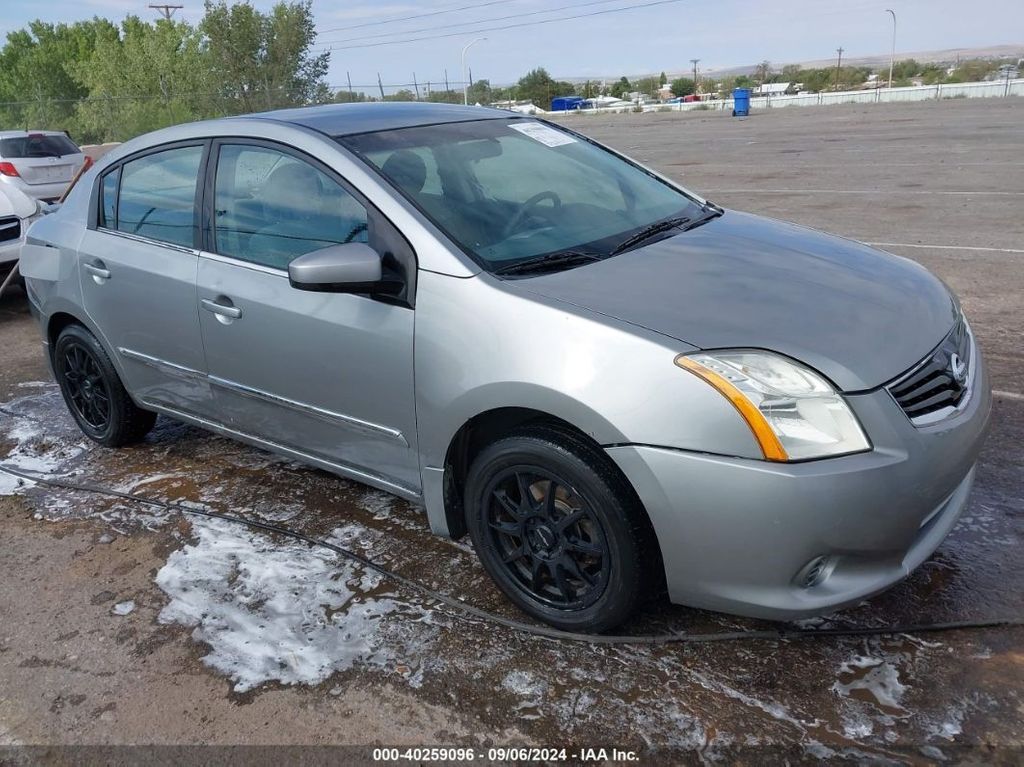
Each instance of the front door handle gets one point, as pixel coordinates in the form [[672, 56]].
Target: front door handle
[[223, 310], [97, 269]]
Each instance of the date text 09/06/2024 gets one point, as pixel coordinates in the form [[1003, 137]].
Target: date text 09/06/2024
[[503, 754]]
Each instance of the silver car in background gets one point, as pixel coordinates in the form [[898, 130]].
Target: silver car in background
[[40, 164], [614, 386]]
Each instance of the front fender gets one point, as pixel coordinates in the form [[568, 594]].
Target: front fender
[[481, 345]]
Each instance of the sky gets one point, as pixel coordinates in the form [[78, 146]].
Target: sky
[[362, 34]]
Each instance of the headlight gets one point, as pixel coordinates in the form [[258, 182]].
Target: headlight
[[793, 412]]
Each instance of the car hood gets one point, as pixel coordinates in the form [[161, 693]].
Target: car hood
[[14, 202], [859, 316]]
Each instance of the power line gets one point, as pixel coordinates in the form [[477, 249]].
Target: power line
[[465, 23], [418, 16], [636, 6]]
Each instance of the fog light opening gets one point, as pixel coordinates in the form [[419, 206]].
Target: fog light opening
[[815, 572]]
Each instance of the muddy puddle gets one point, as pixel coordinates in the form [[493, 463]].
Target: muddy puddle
[[269, 612]]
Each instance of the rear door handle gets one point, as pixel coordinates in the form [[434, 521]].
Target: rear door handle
[[224, 310], [97, 269]]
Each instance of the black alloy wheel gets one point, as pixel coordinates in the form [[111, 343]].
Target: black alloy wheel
[[560, 531], [93, 391], [83, 381], [549, 541]]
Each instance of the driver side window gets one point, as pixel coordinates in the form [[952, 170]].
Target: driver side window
[[271, 207]]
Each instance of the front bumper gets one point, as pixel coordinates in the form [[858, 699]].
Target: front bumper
[[10, 251], [738, 535]]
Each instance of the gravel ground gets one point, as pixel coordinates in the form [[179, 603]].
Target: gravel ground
[[126, 625]]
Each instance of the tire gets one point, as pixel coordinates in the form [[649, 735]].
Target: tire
[[576, 507], [94, 393]]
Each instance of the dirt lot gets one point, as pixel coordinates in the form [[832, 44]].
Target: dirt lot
[[126, 625]]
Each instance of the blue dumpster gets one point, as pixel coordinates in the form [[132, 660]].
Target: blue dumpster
[[741, 102], [566, 103]]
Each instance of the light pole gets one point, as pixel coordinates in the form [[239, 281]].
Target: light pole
[[892, 56], [465, 84]]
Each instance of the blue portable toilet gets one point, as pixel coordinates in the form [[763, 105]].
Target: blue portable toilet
[[565, 103], [741, 102]]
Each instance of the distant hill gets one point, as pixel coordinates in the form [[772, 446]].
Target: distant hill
[[948, 55]]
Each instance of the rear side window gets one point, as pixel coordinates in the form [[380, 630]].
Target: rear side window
[[108, 199], [37, 145], [157, 196]]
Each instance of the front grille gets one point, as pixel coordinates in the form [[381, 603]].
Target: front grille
[[934, 384], [10, 228]]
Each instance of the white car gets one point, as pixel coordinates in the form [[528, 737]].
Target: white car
[[17, 212], [39, 163]]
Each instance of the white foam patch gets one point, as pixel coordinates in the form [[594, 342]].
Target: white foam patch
[[274, 611], [380, 504], [879, 677], [124, 608], [35, 451]]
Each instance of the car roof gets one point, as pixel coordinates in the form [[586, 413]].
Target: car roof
[[24, 133], [369, 117]]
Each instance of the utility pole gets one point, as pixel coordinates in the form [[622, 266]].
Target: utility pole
[[351, 95], [892, 56], [167, 10], [694, 62], [381, 86], [416, 86], [839, 64]]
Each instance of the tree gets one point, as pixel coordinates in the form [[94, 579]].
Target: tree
[[539, 87], [683, 86], [480, 92], [763, 71], [905, 69], [39, 82], [621, 88], [663, 79], [646, 85], [792, 73], [263, 60], [349, 97], [401, 95], [146, 77], [445, 97]]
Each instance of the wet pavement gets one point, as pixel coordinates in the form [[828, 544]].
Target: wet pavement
[[128, 624]]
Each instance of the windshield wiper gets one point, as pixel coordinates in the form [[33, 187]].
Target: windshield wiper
[[710, 211], [649, 231], [563, 259]]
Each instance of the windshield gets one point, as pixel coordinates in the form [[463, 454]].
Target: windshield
[[510, 191], [37, 145]]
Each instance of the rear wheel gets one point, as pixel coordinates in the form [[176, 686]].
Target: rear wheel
[[558, 530], [94, 393]]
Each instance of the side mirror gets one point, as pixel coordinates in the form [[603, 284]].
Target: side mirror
[[350, 268]]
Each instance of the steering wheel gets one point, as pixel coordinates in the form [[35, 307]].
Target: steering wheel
[[526, 208]]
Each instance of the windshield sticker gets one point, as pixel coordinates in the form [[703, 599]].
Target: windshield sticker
[[542, 133]]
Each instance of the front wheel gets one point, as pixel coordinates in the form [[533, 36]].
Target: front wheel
[[558, 530], [94, 393]]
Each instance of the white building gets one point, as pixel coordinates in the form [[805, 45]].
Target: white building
[[771, 89]]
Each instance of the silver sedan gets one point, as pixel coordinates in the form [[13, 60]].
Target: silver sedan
[[616, 387]]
